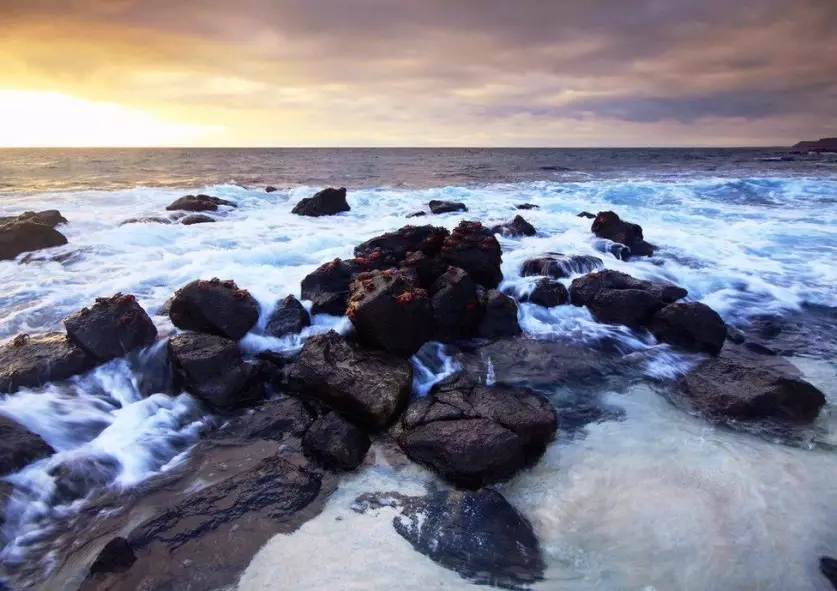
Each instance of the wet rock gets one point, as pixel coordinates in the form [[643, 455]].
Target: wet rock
[[438, 207], [50, 217], [587, 214], [584, 288], [289, 317], [740, 385], [517, 227], [474, 248], [417, 214], [500, 318], [326, 202], [146, 220], [369, 387], [328, 286], [212, 368], [456, 306], [214, 307], [426, 270], [558, 266], [390, 313], [335, 443], [473, 434], [32, 361], [19, 446], [75, 477], [111, 328], [197, 218], [425, 239], [527, 206], [548, 293], [276, 420], [19, 237], [199, 203], [690, 325], [618, 251], [115, 557], [477, 534], [270, 189], [610, 226], [828, 567]]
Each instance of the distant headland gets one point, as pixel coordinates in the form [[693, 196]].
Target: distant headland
[[827, 144]]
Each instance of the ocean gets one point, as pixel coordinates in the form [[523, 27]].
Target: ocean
[[659, 499]]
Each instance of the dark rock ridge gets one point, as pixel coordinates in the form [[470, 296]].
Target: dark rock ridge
[[826, 144], [19, 446], [199, 203], [146, 220], [213, 369], [327, 202], [547, 293], [456, 305], [369, 387], [214, 307], [558, 266], [197, 218], [500, 317], [289, 317], [474, 435], [610, 226], [335, 443], [49, 217], [690, 325], [527, 206], [474, 248], [29, 362], [270, 189], [425, 239], [438, 207], [111, 328], [586, 214], [328, 286], [516, 227], [24, 236]]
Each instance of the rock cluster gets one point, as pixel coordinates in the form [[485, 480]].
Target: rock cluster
[[30, 231]]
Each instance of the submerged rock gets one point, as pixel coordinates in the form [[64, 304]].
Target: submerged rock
[[19, 446], [197, 218], [587, 214], [49, 217], [214, 307], [500, 318], [438, 207], [76, 476], [146, 220], [558, 266], [690, 325], [199, 203], [474, 248], [456, 305], [526, 206], [417, 214], [270, 189], [424, 239], [19, 237], [335, 443], [472, 434], [517, 227], [289, 317], [29, 362], [610, 226], [547, 293], [327, 202]]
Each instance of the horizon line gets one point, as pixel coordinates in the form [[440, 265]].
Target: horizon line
[[686, 147]]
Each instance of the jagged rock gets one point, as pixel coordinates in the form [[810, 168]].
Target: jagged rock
[[326, 202], [425, 239], [335, 443], [50, 217], [526, 206], [19, 446], [438, 207], [289, 317], [609, 225], [500, 318], [370, 387], [474, 435], [111, 328], [558, 266], [29, 362], [214, 307], [197, 218], [199, 203], [390, 313], [587, 214], [426, 270], [456, 305], [328, 286], [19, 237], [475, 249], [212, 368], [547, 293], [517, 227], [115, 557], [690, 325]]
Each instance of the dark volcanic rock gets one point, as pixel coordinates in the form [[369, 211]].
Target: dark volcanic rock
[[196, 218], [335, 443], [425, 239], [19, 446], [29, 362], [474, 435], [289, 317], [50, 217], [741, 385], [326, 202], [527, 206], [328, 286], [587, 214], [367, 386], [425, 269], [389, 312], [690, 325], [456, 305], [584, 288], [557, 266], [214, 307], [500, 318], [438, 207], [115, 557], [212, 368], [610, 226], [276, 419], [517, 227], [548, 293], [199, 203], [474, 248], [111, 328], [417, 214], [270, 189], [20, 237]]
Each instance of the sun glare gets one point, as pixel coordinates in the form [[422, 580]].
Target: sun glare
[[52, 119]]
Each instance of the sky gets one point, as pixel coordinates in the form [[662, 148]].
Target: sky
[[561, 73]]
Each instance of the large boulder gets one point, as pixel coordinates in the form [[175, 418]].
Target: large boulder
[[438, 207], [213, 369], [547, 293], [199, 203], [25, 236], [741, 385], [516, 227], [289, 317], [426, 270], [690, 325], [369, 387], [500, 317], [326, 202], [456, 305], [473, 247], [327, 287], [29, 362], [111, 328], [473, 434], [214, 307], [335, 443], [390, 313], [50, 217], [277, 419], [19, 446], [584, 288], [558, 266], [425, 239], [610, 226]]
